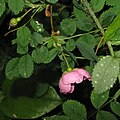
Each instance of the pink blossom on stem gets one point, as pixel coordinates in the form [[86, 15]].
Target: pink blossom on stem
[[67, 81]]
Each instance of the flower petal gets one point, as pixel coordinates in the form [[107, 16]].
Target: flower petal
[[66, 88], [70, 77], [85, 74], [80, 76]]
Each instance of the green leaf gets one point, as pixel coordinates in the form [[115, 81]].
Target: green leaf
[[86, 50], [56, 117], [89, 39], [25, 66], [99, 99], [70, 54], [104, 115], [36, 39], [24, 36], [117, 94], [115, 40], [115, 107], [40, 54], [2, 7], [97, 5], [106, 17], [112, 3], [38, 27], [3, 117], [11, 70], [1, 95], [52, 1], [117, 54], [16, 5], [34, 1], [83, 22], [74, 110], [51, 55], [30, 108], [41, 89], [22, 49], [6, 87], [66, 26], [116, 9], [112, 28], [70, 62], [105, 74], [70, 45]]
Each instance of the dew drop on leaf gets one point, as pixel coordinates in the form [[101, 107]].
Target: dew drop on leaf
[[103, 96], [97, 75], [111, 86], [101, 65], [114, 67], [95, 82]]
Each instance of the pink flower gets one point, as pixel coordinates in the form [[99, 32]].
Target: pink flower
[[67, 81]]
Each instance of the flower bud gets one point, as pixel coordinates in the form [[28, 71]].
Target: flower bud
[[13, 22]]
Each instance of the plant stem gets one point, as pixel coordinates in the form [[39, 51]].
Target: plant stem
[[51, 20], [87, 5], [110, 48], [40, 8], [78, 35], [65, 60], [93, 16]]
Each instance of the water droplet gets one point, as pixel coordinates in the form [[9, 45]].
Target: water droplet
[[103, 96], [37, 22], [97, 75], [114, 67], [95, 82], [111, 85], [103, 57], [24, 74], [39, 30], [104, 80], [111, 79], [101, 64], [117, 102]]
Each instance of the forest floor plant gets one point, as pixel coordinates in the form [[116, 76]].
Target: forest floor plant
[[60, 59]]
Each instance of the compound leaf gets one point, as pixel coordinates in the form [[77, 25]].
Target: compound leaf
[[24, 36], [86, 50], [97, 5], [74, 110], [40, 54], [66, 26], [24, 107], [105, 74], [105, 115], [25, 66], [99, 99], [115, 107], [11, 70], [51, 55], [2, 7], [16, 5], [112, 28]]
